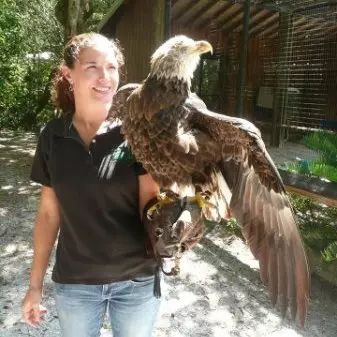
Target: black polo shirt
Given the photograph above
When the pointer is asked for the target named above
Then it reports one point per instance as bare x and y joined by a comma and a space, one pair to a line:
101, 237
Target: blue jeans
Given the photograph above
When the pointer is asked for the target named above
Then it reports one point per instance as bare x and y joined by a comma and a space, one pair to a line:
131, 305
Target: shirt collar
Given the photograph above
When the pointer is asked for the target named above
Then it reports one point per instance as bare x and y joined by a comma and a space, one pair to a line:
70, 132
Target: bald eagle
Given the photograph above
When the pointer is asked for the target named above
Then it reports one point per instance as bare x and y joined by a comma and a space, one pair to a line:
182, 144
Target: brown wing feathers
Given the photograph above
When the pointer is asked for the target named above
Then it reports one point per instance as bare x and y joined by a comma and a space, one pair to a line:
262, 208
259, 203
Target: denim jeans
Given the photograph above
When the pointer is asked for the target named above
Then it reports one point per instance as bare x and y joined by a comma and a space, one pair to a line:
131, 305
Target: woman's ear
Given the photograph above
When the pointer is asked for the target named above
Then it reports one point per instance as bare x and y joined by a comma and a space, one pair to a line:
66, 73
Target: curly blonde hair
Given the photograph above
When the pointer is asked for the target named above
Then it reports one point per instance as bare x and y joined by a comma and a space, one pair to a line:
61, 91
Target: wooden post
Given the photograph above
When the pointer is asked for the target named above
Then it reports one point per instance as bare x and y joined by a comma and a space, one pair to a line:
243, 60
168, 18
282, 77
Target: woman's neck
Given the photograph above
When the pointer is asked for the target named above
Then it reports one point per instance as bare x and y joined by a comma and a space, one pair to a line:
89, 120
87, 124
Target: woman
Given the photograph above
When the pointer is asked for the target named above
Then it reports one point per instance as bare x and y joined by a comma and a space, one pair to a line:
101, 261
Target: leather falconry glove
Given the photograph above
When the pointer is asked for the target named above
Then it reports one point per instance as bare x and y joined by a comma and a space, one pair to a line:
174, 225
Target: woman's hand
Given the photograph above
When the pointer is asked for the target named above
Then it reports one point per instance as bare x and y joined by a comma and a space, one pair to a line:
32, 310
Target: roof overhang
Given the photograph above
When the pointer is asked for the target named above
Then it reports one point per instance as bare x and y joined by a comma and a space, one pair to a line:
114, 6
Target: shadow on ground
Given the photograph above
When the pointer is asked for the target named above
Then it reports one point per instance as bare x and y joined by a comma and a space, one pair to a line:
218, 293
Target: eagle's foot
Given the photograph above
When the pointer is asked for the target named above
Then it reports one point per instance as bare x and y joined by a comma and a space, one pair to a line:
163, 199
202, 200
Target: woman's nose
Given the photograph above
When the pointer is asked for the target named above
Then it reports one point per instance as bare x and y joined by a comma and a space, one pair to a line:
103, 74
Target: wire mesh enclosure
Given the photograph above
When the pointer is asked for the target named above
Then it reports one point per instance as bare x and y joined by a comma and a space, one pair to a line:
289, 82
210, 81
274, 63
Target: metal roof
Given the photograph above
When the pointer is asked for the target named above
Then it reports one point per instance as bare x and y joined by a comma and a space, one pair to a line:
310, 16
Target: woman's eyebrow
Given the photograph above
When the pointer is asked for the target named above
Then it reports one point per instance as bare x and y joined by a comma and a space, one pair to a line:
88, 62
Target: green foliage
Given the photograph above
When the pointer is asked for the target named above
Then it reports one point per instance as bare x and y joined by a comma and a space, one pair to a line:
317, 226
325, 143
233, 227
26, 29
330, 253
316, 168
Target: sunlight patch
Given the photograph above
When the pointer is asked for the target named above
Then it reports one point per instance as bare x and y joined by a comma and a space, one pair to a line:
8, 187
3, 211
11, 248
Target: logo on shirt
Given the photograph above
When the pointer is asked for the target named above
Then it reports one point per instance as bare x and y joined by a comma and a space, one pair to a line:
120, 154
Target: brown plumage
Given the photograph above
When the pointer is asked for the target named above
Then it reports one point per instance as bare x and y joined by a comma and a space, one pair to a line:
180, 142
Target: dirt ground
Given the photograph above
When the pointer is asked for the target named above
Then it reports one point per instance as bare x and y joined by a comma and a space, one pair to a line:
217, 294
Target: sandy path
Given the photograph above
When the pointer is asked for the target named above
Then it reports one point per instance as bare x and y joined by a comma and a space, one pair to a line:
217, 294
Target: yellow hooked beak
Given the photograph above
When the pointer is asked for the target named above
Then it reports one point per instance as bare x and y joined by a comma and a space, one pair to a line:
202, 47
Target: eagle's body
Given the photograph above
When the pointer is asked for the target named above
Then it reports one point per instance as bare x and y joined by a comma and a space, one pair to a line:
180, 143
176, 137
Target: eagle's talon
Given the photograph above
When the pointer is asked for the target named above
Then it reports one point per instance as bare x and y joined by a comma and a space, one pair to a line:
202, 200
154, 209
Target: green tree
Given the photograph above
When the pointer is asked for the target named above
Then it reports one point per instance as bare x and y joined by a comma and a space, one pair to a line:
27, 31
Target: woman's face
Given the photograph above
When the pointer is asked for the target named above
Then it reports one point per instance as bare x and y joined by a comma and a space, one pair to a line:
94, 78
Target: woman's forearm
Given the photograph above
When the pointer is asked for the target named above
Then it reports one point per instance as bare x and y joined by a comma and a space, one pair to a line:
45, 232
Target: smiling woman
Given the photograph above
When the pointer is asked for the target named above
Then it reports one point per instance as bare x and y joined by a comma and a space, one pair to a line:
89, 67
101, 256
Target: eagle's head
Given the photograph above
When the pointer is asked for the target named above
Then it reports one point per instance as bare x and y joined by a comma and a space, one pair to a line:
178, 58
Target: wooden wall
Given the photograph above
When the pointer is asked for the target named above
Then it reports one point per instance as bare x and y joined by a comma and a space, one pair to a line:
140, 31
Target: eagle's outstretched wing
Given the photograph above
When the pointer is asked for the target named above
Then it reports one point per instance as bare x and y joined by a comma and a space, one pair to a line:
260, 204
202, 142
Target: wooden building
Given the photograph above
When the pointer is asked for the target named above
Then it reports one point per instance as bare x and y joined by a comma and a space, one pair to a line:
274, 62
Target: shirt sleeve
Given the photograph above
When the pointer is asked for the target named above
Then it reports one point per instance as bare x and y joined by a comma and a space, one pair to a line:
139, 169
39, 171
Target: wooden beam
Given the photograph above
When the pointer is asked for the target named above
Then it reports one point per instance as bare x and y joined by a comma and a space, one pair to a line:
260, 14
199, 12
331, 29
237, 18
220, 8
310, 187
236, 22
298, 23
273, 35
269, 30
317, 30
186, 14
310, 24
179, 7
263, 24
274, 31
230, 12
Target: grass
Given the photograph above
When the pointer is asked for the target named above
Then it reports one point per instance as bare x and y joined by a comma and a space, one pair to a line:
325, 144
317, 225
317, 222
315, 168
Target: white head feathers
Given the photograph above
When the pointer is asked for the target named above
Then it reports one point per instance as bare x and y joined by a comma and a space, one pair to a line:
178, 57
